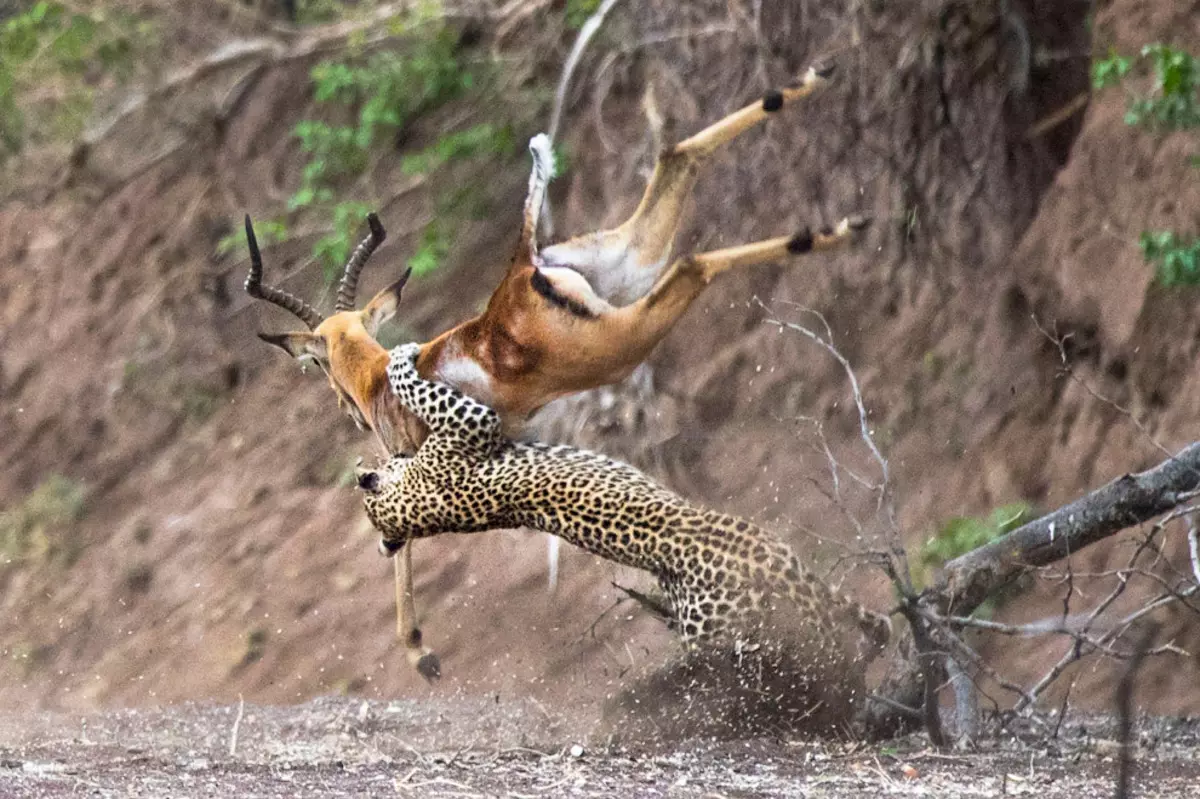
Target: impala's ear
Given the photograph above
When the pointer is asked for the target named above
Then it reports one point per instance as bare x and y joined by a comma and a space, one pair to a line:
383, 305
298, 345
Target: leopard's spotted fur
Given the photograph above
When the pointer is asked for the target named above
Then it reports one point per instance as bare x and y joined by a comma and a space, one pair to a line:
725, 578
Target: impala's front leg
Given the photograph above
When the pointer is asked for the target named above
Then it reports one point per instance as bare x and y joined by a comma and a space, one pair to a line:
471, 427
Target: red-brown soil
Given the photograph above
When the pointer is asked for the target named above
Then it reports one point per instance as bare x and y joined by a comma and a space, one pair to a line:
219, 554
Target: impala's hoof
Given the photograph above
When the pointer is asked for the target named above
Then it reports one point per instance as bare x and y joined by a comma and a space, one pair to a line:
429, 666
802, 242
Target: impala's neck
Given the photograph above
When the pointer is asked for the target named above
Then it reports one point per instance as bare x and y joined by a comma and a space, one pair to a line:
396, 429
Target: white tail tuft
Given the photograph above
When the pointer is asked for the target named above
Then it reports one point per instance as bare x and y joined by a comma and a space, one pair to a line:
539, 178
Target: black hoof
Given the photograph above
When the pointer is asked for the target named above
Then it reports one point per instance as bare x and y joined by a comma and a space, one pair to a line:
429, 667
802, 242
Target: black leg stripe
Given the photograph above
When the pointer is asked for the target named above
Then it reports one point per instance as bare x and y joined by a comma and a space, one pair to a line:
772, 101
542, 285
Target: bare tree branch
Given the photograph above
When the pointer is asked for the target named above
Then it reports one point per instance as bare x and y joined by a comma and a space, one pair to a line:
1130, 499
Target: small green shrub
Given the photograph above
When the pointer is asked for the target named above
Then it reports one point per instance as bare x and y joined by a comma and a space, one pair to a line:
484, 139
1109, 71
332, 249
366, 102
34, 528
960, 535
578, 11
47, 48
1176, 259
1172, 103
266, 232
434, 246
387, 90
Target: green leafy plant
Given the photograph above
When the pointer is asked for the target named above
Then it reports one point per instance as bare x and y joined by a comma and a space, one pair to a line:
267, 232
435, 244
1173, 104
48, 48
33, 528
1109, 71
1176, 259
961, 534
484, 139
387, 90
578, 11
334, 247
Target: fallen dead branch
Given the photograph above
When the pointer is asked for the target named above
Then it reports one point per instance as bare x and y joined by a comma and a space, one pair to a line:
1127, 501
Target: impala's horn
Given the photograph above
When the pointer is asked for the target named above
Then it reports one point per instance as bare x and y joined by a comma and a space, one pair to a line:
358, 259
255, 288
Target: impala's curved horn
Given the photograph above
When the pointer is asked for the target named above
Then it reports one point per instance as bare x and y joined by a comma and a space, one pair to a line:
255, 288
358, 259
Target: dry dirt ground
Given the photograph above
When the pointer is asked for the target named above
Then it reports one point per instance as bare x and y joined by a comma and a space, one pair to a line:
476, 747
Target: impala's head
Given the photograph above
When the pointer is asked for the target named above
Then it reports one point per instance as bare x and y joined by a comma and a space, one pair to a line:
342, 345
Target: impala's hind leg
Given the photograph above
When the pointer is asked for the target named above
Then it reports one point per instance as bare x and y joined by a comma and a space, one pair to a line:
640, 326
622, 264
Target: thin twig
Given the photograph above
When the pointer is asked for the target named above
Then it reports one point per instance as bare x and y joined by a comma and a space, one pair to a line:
237, 724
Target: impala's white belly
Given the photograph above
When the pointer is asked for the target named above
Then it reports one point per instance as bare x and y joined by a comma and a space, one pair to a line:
617, 272
465, 374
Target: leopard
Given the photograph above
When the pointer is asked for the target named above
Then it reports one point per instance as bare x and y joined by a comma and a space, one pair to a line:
728, 583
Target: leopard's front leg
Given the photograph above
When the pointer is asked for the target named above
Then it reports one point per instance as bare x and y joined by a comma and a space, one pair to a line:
470, 427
